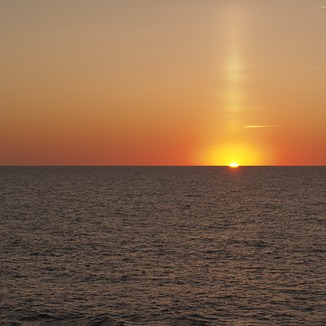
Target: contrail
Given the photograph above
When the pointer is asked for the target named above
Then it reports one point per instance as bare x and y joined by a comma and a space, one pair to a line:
260, 126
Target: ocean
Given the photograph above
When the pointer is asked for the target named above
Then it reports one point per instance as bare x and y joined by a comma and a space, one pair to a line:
162, 246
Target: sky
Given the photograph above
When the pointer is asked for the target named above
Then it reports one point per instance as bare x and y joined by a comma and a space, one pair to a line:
162, 82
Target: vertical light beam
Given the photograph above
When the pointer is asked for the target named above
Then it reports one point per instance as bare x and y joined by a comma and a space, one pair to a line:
234, 66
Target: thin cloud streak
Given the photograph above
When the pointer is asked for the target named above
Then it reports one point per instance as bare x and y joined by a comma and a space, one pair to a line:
315, 68
260, 126
323, 7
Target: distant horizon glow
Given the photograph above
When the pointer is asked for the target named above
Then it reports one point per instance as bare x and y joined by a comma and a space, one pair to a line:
233, 165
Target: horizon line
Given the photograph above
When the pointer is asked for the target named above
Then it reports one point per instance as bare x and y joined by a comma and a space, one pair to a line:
145, 165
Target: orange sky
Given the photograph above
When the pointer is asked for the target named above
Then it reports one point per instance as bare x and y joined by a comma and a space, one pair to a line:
164, 82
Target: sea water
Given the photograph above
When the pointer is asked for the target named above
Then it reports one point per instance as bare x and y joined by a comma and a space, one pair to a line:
162, 245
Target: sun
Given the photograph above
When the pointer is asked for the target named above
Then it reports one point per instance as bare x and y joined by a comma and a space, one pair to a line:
234, 165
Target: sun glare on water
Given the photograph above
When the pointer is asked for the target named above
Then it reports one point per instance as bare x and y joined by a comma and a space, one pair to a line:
233, 165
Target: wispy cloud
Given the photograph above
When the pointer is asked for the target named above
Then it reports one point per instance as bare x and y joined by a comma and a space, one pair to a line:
260, 126
315, 68
323, 7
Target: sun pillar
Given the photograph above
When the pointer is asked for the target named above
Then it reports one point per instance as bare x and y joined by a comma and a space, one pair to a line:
233, 68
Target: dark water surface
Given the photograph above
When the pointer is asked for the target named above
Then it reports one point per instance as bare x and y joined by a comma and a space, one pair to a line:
162, 246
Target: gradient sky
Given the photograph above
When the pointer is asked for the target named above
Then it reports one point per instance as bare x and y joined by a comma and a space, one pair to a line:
162, 82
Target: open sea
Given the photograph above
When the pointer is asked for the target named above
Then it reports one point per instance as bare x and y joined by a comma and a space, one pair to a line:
162, 246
